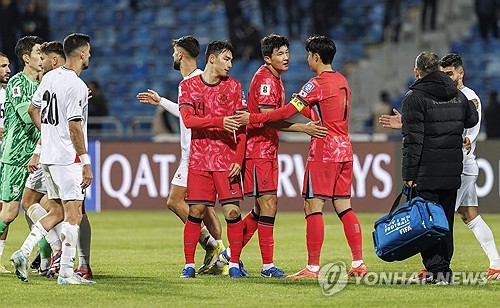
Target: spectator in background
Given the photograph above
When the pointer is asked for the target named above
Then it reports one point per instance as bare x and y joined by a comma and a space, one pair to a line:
380, 108
98, 105
325, 14
486, 11
429, 5
9, 26
247, 41
392, 21
269, 10
33, 21
293, 18
491, 116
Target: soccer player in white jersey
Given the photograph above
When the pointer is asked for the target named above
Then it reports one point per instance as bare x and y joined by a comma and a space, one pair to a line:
186, 49
467, 203
64, 157
4, 78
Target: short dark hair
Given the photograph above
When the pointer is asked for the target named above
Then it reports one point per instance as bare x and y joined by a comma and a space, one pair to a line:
451, 59
323, 46
217, 47
25, 45
188, 43
426, 63
271, 42
53, 47
3, 55
74, 41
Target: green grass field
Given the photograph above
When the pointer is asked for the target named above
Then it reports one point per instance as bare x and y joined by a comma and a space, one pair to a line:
137, 258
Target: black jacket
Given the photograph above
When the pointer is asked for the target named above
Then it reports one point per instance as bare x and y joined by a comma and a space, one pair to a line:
435, 114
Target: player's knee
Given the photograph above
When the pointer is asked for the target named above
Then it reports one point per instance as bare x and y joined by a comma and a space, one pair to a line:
467, 213
231, 213
173, 204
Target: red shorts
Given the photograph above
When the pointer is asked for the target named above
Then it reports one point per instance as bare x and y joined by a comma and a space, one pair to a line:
327, 180
260, 177
203, 187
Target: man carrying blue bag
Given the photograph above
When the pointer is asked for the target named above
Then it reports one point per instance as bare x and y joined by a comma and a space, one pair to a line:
435, 114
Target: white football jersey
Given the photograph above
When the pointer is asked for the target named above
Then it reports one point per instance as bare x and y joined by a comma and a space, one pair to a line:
2, 105
470, 164
63, 99
186, 132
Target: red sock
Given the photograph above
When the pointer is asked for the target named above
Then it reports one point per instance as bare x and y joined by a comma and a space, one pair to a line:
192, 229
315, 234
352, 230
266, 239
235, 238
250, 223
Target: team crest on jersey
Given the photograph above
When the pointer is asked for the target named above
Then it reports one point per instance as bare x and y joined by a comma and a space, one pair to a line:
15, 190
223, 97
265, 89
243, 98
16, 92
308, 87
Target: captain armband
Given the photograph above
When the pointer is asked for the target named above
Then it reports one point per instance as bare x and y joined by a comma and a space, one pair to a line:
298, 103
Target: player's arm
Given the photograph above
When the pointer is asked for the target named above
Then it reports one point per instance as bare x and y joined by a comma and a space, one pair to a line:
21, 107
153, 98
284, 113
78, 140
34, 114
192, 121
312, 128
35, 157
241, 141
413, 138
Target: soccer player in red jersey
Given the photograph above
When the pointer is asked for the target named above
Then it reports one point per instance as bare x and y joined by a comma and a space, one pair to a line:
328, 173
261, 159
207, 103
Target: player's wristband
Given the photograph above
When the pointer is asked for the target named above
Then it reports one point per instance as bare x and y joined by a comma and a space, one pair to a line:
38, 149
85, 159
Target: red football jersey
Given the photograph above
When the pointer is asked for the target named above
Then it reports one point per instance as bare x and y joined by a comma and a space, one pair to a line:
329, 98
266, 91
212, 149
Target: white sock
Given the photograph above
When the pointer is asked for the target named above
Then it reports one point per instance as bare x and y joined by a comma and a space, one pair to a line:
207, 244
189, 265
68, 249
36, 212
265, 267
485, 237
356, 263
36, 234
232, 264
2, 246
228, 252
45, 263
313, 268
54, 240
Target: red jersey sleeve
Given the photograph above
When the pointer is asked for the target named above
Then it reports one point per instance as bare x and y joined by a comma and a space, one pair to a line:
188, 109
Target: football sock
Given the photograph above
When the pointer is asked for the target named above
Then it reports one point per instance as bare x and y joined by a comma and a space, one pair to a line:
70, 234
352, 231
2, 247
313, 268
3, 226
250, 225
235, 238
315, 235
266, 239
84, 240
356, 263
45, 251
206, 240
192, 229
36, 234
485, 237
35, 212
28, 220
189, 265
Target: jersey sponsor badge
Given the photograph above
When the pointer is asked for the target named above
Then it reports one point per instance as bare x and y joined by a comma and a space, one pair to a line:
265, 89
243, 98
302, 93
16, 92
308, 87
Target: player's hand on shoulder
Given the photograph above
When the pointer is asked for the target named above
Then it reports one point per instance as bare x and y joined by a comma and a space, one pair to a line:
234, 170
150, 97
313, 129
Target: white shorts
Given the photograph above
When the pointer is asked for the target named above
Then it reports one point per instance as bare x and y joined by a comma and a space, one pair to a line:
36, 181
180, 176
466, 194
63, 182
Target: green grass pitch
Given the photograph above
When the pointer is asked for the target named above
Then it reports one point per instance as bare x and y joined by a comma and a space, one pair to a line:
137, 258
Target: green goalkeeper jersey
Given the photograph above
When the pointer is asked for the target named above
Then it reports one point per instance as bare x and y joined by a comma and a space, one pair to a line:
20, 135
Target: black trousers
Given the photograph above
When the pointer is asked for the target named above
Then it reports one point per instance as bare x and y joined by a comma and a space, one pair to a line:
437, 258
